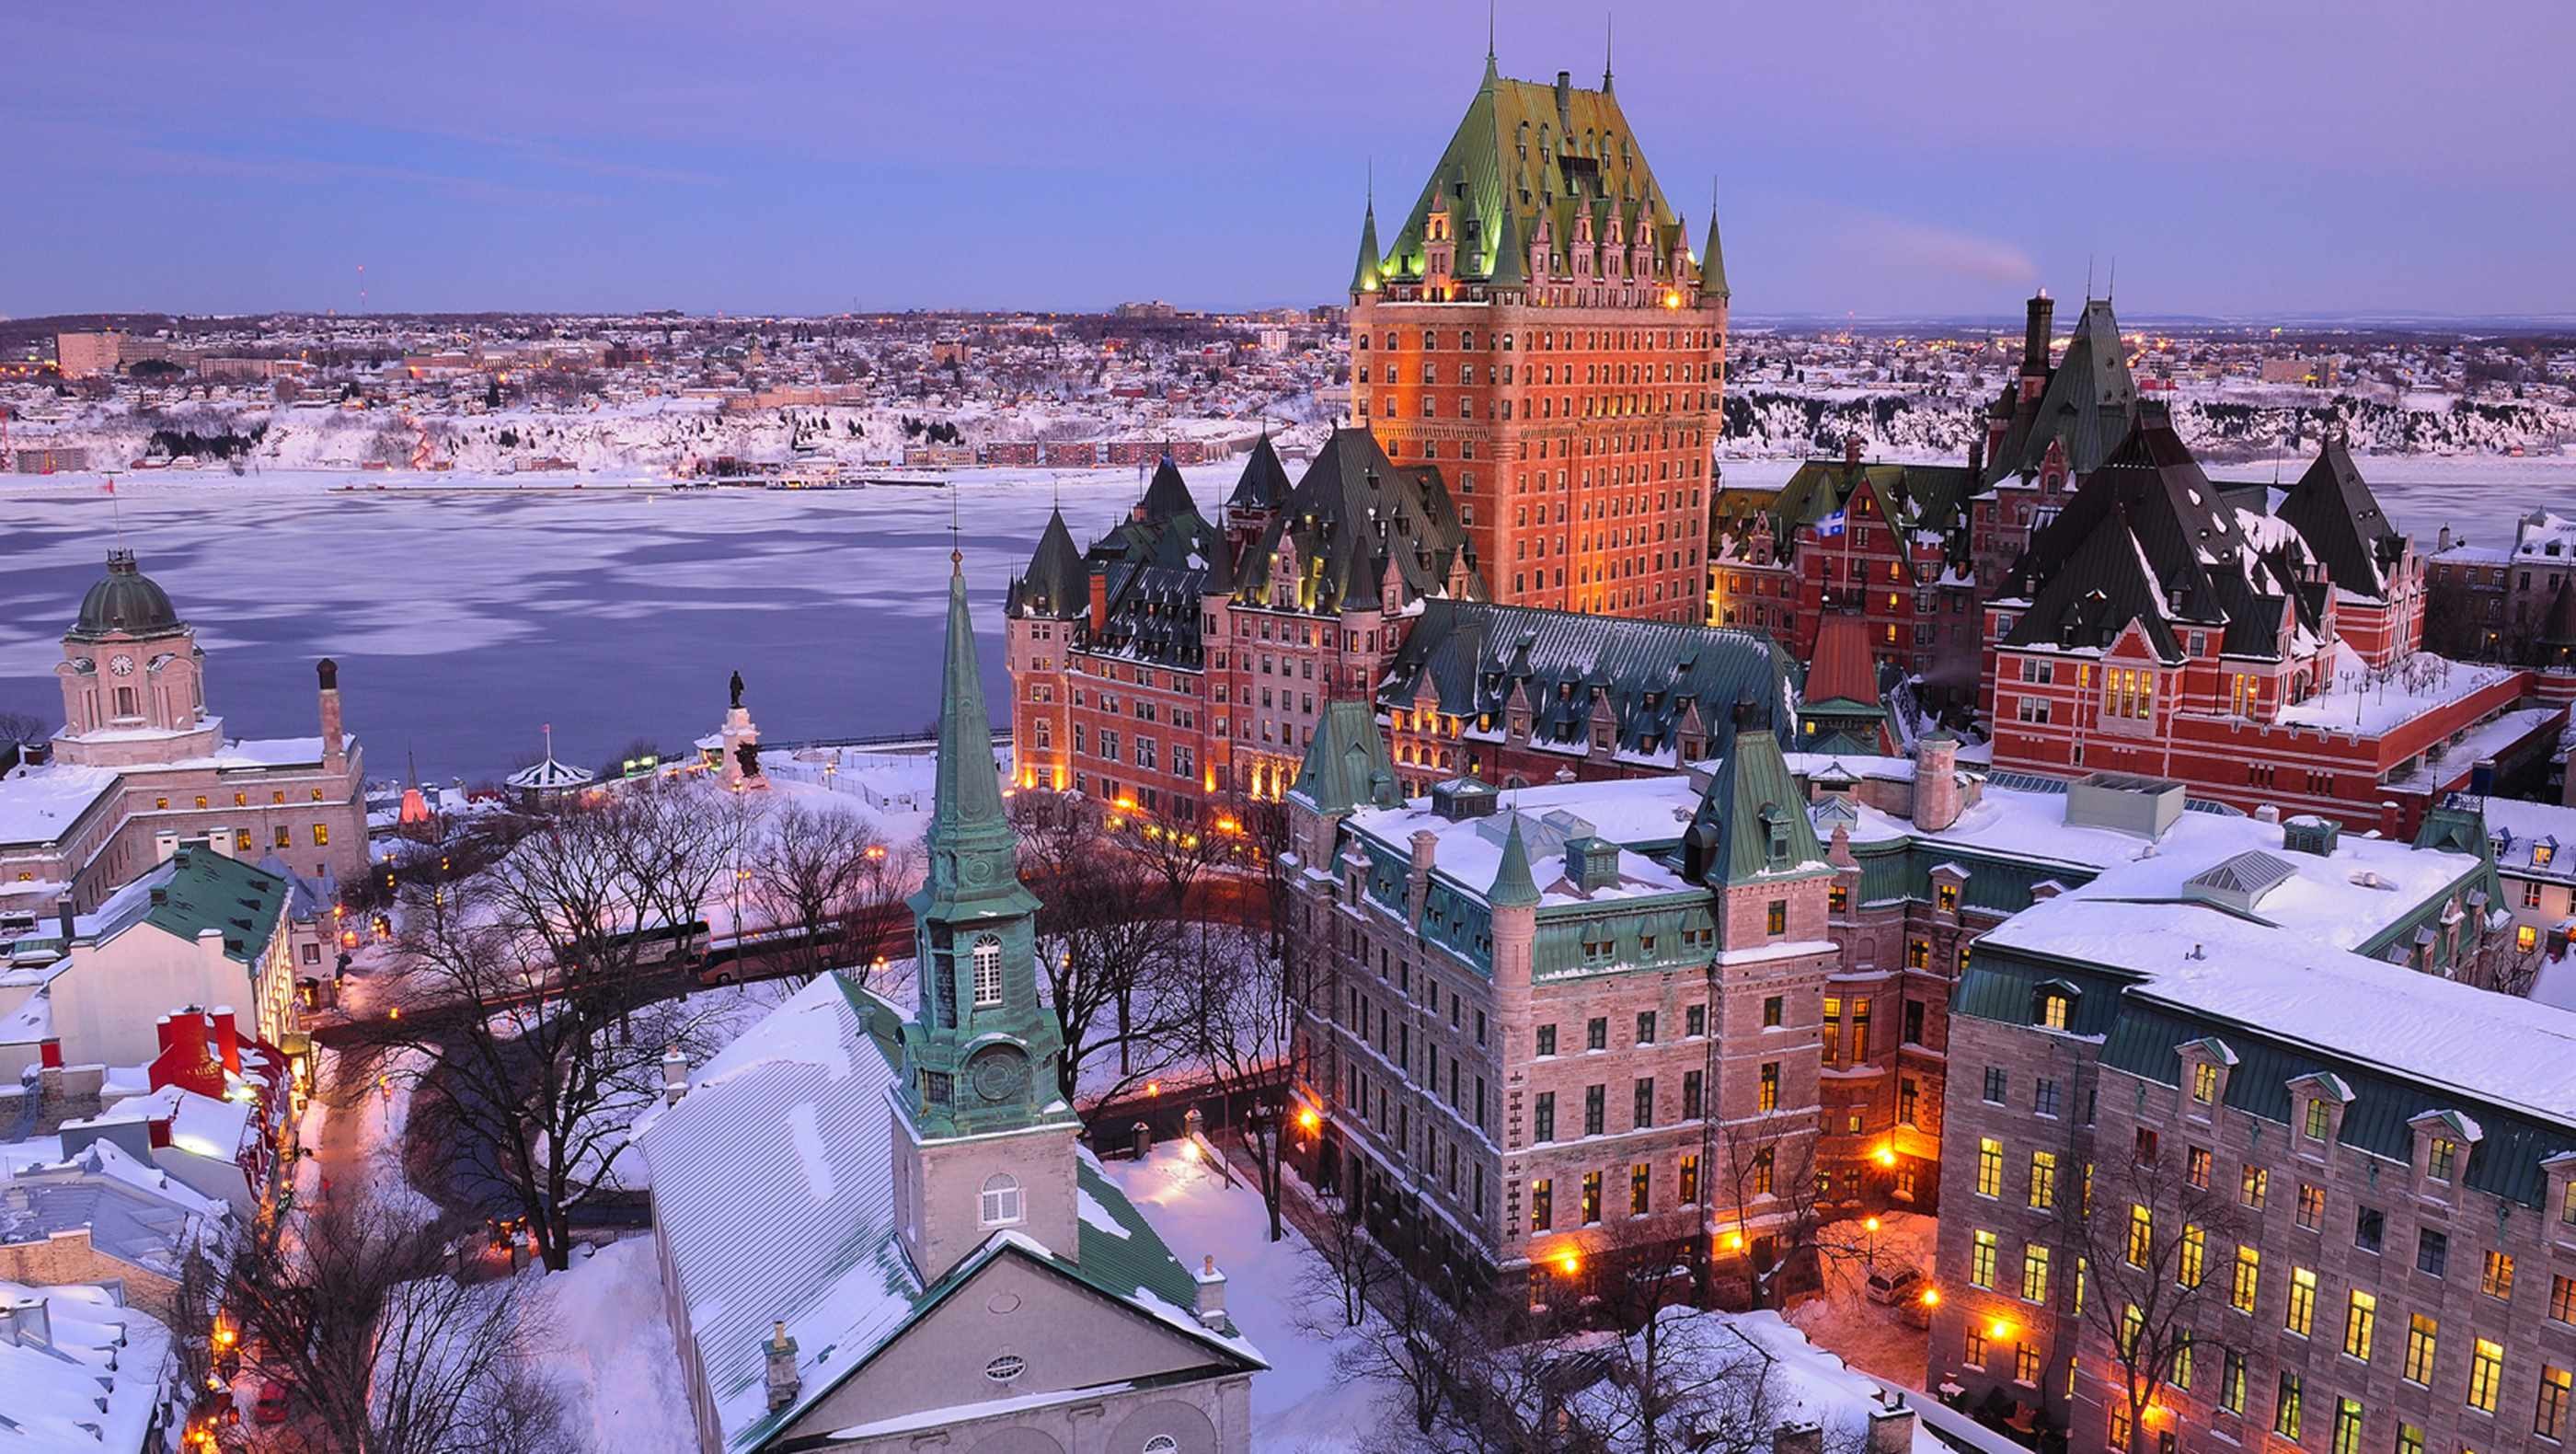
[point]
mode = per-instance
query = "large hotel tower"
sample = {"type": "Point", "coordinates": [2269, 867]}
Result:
{"type": "Point", "coordinates": [1540, 330]}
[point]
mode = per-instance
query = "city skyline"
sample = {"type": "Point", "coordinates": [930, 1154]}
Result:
{"type": "Point", "coordinates": [1879, 163]}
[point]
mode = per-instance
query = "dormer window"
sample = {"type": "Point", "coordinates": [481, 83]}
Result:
{"type": "Point", "coordinates": [2442, 1160]}
{"type": "Point", "coordinates": [2319, 1122]}
{"type": "Point", "coordinates": [2204, 1083]}
{"type": "Point", "coordinates": [2054, 1010]}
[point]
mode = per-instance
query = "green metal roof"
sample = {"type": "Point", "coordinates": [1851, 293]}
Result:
{"type": "Point", "coordinates": [1346, 764]}
{"type": "Point", "coordinates": [208, 890]}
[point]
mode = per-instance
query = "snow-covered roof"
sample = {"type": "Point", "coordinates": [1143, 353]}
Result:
{"type": "Point", "coordinates": [93, 1381]}
{"type": "Point", "coordinates": [2533, 840]}
{"type": "Point", "coordinates": [772, 1193]}
{"type": "Point", "coordinates": [39, 804]}
{"type": "Point", "coordinates": [1468, 852]}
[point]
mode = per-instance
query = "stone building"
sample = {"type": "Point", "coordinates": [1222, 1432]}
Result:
{"type": "Point", "coordinates": [2248, 1085]}
{"type": "Point", "coordinates": [877, 1228]}
{"type": "Point", "coordinates": [1545, 1025]}
{"type": "Point", "coordinates": [2514, 602]}
{"type": "Point", "coordinates": [1539, 325]}
{"type": "Point", "coordinates": [139, 756]}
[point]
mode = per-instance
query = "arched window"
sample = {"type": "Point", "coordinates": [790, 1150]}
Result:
{"type": "Point", "coordinates": [1161, 1444]}
{"type": "Point", "coordinates": [1001, 1199]}
{"type": "Point", "coordinates": [988, 971]}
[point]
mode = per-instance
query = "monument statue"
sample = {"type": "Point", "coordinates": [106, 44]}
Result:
{"type": "Point", "coordinates": [737, 688]}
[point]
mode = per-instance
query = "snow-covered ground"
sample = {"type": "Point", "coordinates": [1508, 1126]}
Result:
{"type": "Point", "coordinates": [610, 1352]}
{"type": "Point", "coordinates": [1840, 1319]}
{"type": "Point", "coordinates": [1301, 1406]}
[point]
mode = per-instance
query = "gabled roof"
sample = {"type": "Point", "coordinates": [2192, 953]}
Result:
{"type": "Point", "coordinates": [197, 890]}
{"type": "Point", "coordinates": [771, 1194]}
{"type": "Point", "coordinates": [1751, 803]}
{"type": "Point", "coordinates": [2339, 518]}
{"type": "Point", "coordinates": [2088, 403]}
{"type": "Point", "coordinates": [1843, 672]}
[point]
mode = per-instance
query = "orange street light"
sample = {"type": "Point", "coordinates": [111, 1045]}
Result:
{"type": "Point", "coordinates": [1871, 1224]}
{"type": "Point", "coordinates": [1931, 1297]}
{"type": "Point", "coordinates": [1887, 1156]}
{"type": "Point", "coordinates": [1569, 1262]}
{"type": "Point", "coordinates": [1308, 1120]}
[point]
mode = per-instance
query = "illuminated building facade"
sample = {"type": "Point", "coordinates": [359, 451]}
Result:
{"type": "Point", "coordinates": [1539, 328]}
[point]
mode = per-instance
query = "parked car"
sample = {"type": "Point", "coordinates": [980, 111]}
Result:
{"type": "Point", "coordinates": [1889, 1286]}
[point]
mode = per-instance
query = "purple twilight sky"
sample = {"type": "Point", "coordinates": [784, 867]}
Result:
{"type": "Point", "coordinates": [2253, 157]}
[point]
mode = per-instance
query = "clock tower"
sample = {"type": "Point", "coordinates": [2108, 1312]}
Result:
{"type": "Point", "coordinates": [986, 1140]}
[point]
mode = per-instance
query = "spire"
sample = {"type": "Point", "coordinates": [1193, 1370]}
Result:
{"type": "Point", "coordinates": [969, 795]}
{"type": "Point", "coordinates": [1364, 272]}
{"type": "Point", "coordinates": [1510, 269]}
{"type": "Point", "coordinates": [1605, 54]}
{"type": "Point", "coordinates": [1513, 888]}
{"type": "Point", "coordinates": [1492, 75]}
{"type": "Point", "coordinates": [1057, 585]}
{"type": "Point", "coordinates": [1712, 258]}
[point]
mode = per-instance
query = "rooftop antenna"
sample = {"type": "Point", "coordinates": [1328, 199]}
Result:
{"type": "Point", "coordinates": [956, 554]}
{"type": "Point", "coordinates": [115, 510]}
{"type": "Point", "coordinates": [2111, 284]}
{"type": "Point", "coordinates": [2088, 277]}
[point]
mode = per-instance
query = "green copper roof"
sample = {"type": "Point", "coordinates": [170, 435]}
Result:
{"type": "Point", "coordinates": [1058, 583]}
{"type": "Point", "coordinates": [1518, 151]}
{"type": "Point", "coordinates": [1364, 272]}
{"type": "Point", "coordinates": [1346, 764]}
{"type": "Point", "coordinates": [207, 890]}
{"type": "Point", "coordinates": [1752, 821]}
{"type": "Point", "coordinates": [1513, 888]}
{"type": "Point", "coordinates": [1712, 261]}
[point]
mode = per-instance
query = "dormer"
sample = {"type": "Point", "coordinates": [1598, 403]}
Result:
{"type": "Point", "coordinates": [2206, 1065]}
{"type": "Point", "coordinates": [2443, 1143]}
{"type": "Point", "coordinates": [1949, 887]}
{"type": "Point", "coordinates": [2053, 1004]}
{"type": "Point", "coordinates": [2317, 1105]}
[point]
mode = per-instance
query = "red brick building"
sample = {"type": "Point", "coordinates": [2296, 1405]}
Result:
{"type": "Point", "coordinates": [2163, 625]}
{"type": "Point", "coordinates": [1540, 328]}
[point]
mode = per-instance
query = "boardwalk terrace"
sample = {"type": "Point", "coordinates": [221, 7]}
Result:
{"type": "Point", "coordinates": [2361, 1156]}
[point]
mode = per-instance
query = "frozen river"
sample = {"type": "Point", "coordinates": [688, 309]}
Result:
{"type": "Point", "coordinates": [465, 618]}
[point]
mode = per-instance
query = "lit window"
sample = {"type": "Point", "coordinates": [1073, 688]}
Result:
{"type": "Point", "coordinates": [2204, 1083]}
{"type": "Point", "coordinates": [2301, 1314]}
{"type": "Point", "coordinates": [2486, 1371]}
{"type": "Point", "coordinates": [2440, 1161]}
{"type": "Point", "coordinates": [321, 835]}
{"type": "Point", "coordinates": [1990, 1167]}
{"type": "Point", "coordinates": [2142, 1234]}
{"type": "Point", "coordinates": [1981, 1260]}
{"type": "Point", "coordinates": [2360, 1320]}
{"type": "Point", "coordinates": [2249, 1276]}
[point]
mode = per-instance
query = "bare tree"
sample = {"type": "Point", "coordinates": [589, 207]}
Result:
{"type": "Point", "coordinates": [1766, 1176]}
{"type": "Point", "coordinates": [827, 888]}
{"type": "Point", "coordinates": [2146, 1226]}
{"type": "Point", "coordinates": [22, 728]}
{"type": "Point", "coordinates": [354, 1309]}
{"type": "Point", "coordinates": [534, 1019]}
{"type": "Point", "coordinates": [1239, 1039]}
{"type": "Point", "coordinates": [1109, 948]}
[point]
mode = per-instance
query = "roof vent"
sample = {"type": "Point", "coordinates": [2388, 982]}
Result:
{"type": "Point", "coordinates": [1592, 863]}
{"type": "Point", "coordinates": [2308, 833]}
{"type": "Point", "coordinates": [2239, 883]}
{"type": "Point", "coordinates": [1461, 798]}
{"type": "Point", "coordinates": [2142, 806]}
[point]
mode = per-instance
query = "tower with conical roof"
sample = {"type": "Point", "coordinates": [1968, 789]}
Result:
{"type": "Point", "coordinates": [987, 1137]}
{"type": "Point", "coordinates": [1541, 229]}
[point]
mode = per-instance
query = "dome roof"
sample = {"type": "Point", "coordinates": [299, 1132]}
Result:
{"type": "Point", "coordinates": [126, 600]}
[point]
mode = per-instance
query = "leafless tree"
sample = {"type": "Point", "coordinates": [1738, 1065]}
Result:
{"type": "Point", "coordinates": [535, 1016]}
{"type": "Point", "coordinates": [354, 1309]}
{"type": "Point", "coordinates": [1766, 1184]}
{"type": "Point", "coordinates": [22, 727]}
{"type": "Point", "coordinates": [1108, 946]}
{"type": "Point", "coordinates": [830, 888]}
{"type": "Point", "coordinates": [2148, 1239]}
{"type": "Point", "coordinates": [1239, 1039]}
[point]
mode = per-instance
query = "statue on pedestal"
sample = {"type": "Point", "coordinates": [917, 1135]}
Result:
{"type": "Point", "coordinates": [737, 688]}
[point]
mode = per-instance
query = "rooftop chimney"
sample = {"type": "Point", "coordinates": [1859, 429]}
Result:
{"type": "Point", "coordinates": [1891, 1429]}
{"type": "Point", "coordinates": [1805, 1437]}
{"type": "Point", "coordinates": [1211, 1298]}
{"type": "Point", "coordinates": [675, 1075]}
{"type": "Point", "coordinates": [64, 918]}
{"type": "Point", "coordinates": [2034, 341]}
{"type": "Point", "coordinates": [220, 839]}
{"type": "Point", "coordinates": [785, 1385]}
{"type": "Point", "coordinates": [165, 842]}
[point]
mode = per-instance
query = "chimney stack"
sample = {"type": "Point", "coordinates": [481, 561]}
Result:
{"type": "Point", "coordinates": [220, 839]}
{"type": "Point", "coordinates": [1851, 450]}
{"type": "Point", "coordinates": [227, 1041]}
{"type": "Point", "coordinates": [675, 1076]}
{"type": "Point", "coordinates": [165, 844]}
{"type": "Point", "coordinates": [64, 918]}
{"type": "Point", "coordinates": [2036, 329]}
{"type": "Point", "coordinates": [1891, 1429]}
{"type": "Point", "coordinates": [335, 751]}
{"type": "Point", "coordinates": [785, 1385]}
{"type": "Point", "coordinates": [1805, 1437]}
{"type": "Point", "coordinates": [1211, 1298]}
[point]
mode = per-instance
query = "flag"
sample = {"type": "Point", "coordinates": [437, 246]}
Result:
{"type": "Point", "coordinates": [1830, 526]}
{"type": "Point", "coordinates": [109, 487]}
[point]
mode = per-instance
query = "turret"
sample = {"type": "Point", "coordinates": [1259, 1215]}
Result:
{"type": "Point", "coordinates": [1364, 273]}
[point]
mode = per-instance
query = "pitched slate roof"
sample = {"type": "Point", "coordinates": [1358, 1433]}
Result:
{"type": "Point", "coordinates": [1496, 164]}
{"type": "Point", "coordinates": [2089, 402]}
{"type": "Point", "coordinates": [2339, 518]}
{"type": "Point", "coordinates": [1057, 585]}
{"type": "Point", "coordinates": [1658, 678]}
{"type": "Point", "coordinates": [200, 889]}
{"type": "Point", "coordinates": [1751, 803]}
{"type": "Point", "coordinates": [1354, 514]}
{"type": "Point", "coordinates": [1167, 495]}
{"type": "Point", "coordinates": [1263, 485]}
{"type": "Point", "coordinates": [1907, 496]}
{"type": "Point", "coordinates": [2148, 538]}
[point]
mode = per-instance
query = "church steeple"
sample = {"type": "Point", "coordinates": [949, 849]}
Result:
{"type": "Point", "coordinates": [975, 932]}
